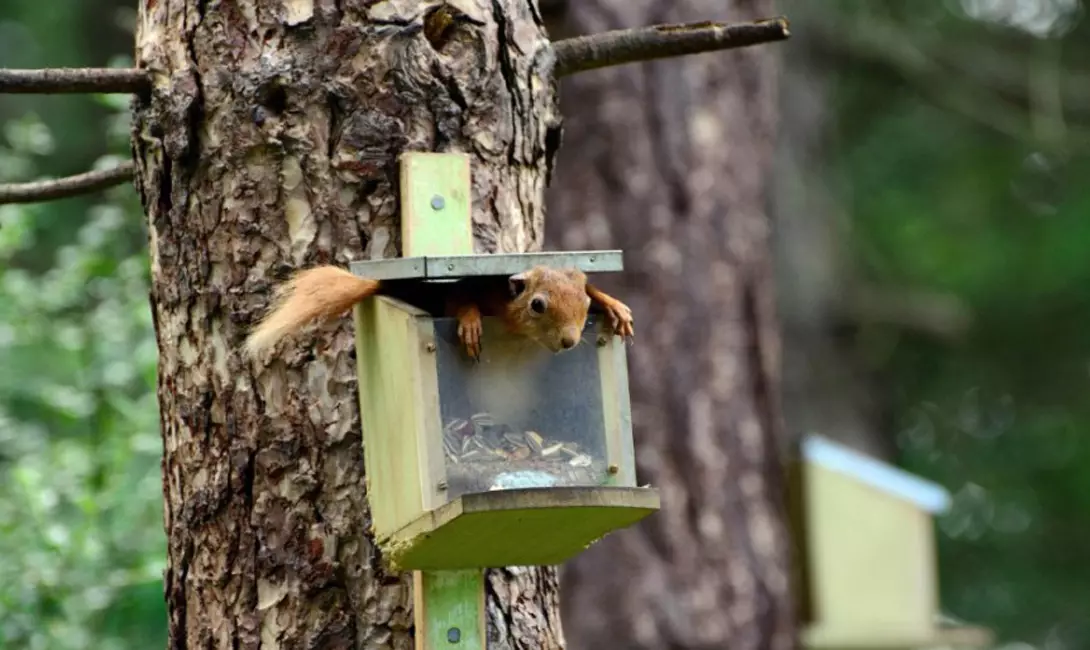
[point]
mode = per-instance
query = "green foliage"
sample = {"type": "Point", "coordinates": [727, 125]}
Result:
{"type": "Point", "coordinates": [941, 201]}
{"type": "Point", "coordinates": [80, 494]}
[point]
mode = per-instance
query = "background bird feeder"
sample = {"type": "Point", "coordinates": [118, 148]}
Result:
{"type": "Point", "coordinates": [522, 458]}
{"type": "Point", "coordinates": [869, 572]}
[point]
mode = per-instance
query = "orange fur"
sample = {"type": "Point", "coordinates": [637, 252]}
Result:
{"type": "Point", "coordinates": [548, 306]}
{"type": "Point", "coordinates": [315, 294]}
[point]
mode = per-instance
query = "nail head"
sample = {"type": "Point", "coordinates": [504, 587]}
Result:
{"type": "Point", "coordinates": [454, 635]}
{"type": "Point", "coordinates": [437, 202]}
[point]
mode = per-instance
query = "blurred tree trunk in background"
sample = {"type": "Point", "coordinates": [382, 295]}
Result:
{"type": "Point", "coordinates": [671, 161]}
{"type": "Point", "coordinates": [270, 143]}
{"type": "Point", "coordinates": [824, 389]}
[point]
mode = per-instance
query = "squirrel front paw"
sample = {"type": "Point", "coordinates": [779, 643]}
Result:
{"type": "Point", "coordinates": [469, 333]}
{"type": "Point", "coordinates": [620, 319]}
{"type": "Point", "coordinates": [620, 316]}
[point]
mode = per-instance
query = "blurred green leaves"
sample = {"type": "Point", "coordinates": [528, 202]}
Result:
{"type": "Point", "coordinates": [80, 494]}
{"type": "Point", "coordinates": [942, 200]}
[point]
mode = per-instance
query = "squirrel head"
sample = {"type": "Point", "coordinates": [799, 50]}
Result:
{"type": "Point", "coordinates": [549, 306]}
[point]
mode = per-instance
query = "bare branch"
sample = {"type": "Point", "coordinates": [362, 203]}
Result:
{"type": "Point", "coordinates": [937, 314]}
{"type": "Point", "coordinates": [65, 187]}
{"type": "Point", "coordinates": [882, 44]}
{"type": "Point", "coordinates": [73, 80]}
{"type": "Point", "coordinates": [661, 41]}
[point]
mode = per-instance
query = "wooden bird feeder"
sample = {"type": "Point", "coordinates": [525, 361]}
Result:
{"type": "Point", "coordinates": [524, 457]}
{"type": "Point", "coordinates": [865, 532]}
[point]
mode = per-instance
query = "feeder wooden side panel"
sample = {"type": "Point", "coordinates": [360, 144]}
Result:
{"type": "Point", "coordinates": [430, 445]}
{"type": "Point", "coordinates": [392, 409]}
{"type": "Point", "coordinates": [616, 408]}
{"type": "Point", "coordinates": [872, 557]}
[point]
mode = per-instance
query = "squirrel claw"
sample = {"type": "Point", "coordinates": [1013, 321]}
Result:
{"type": "Point", "coordinates": [620, 318]}
{"type": "Point", "coordinates": [469, 333]}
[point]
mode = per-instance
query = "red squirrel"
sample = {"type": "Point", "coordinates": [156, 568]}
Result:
{"type": "Point", "coordinates": [546, 305]}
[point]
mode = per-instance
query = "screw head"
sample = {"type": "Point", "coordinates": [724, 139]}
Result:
{"type": "Point", "coordinates": [602, 341]}
{"type": "Point", "coordinates": [437, 202]}
{"type": "Point", "coordinates": [454, 635]}
{"type": "Point", "coordinates": [430, 347]}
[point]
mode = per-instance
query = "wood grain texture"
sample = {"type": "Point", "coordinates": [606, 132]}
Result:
{"type": "Point", "coordinates": [670, 161]}
{"type": "Point", "coordinates": [269, 142]}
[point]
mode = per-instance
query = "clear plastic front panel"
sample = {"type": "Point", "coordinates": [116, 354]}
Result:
{"type": "Point", "coordinates": [522, 417]}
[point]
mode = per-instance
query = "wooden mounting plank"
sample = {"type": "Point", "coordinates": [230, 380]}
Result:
{"type": "Point", "coordinates": [435, 204]}
{"type": "Point", "coordinates": [451, 606]}
{"type": "Point", "coordinates": [436, 219]}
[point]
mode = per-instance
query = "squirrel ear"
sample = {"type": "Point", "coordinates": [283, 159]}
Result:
{"type": "Point", "coordinates": [517, 283]}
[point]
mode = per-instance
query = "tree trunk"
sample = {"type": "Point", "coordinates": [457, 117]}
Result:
{"type": "Point", "coordinates": [270, 143]}
{"type": "Point", "coordinates": [671, 162]}
{"type": "Point", "coordinates": [824, 389]}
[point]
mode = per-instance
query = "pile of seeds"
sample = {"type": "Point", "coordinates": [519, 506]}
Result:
{"type": "Point", "coordinates": [482, 455]}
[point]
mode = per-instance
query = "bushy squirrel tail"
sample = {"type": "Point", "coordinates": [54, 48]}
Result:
{"type": "Point", "coordinates": [320, 293]}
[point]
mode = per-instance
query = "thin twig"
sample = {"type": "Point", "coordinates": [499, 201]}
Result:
{"type": "Point", "coordinates": [661, 41]}
{"type": "Point", "coordinates": [73, 80]}
{"type": "Point", "coordinates": [68, 186]}
{"type": "Point", "coordinates": [573, 55]}
{"type": "Point", "coordinates": [883, 45]}
{"type": "Point", "coordinates": [942, 315]}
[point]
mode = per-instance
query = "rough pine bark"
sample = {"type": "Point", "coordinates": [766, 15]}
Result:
{"type": "Point", "coordinates": [269, 143]}
{"type": "Point", "coordinates": [670, 161]}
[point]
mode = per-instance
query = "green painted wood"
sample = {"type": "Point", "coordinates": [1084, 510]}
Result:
{"type": "Point", "coordinates": [533, 527]}
{"type": "Point", "coordinates": [435, 204]}
{"type": "Point", "coordinates": [393, 399]}
{"type": "Point", "coordinates": [447, 546]}
{"type": "Point", "coordinates": [436, 219]}
{"type": "Point", "coordinates": [453, 609]}
{"type": "Point", "coordinates": [616, 407]}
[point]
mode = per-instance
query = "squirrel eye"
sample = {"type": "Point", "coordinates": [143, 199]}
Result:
{"type": "Point", "coordinates": [538, 305]}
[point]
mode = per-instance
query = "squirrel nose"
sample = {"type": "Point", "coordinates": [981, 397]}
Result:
{"type": "Point", "coordinates": [568, 342]}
